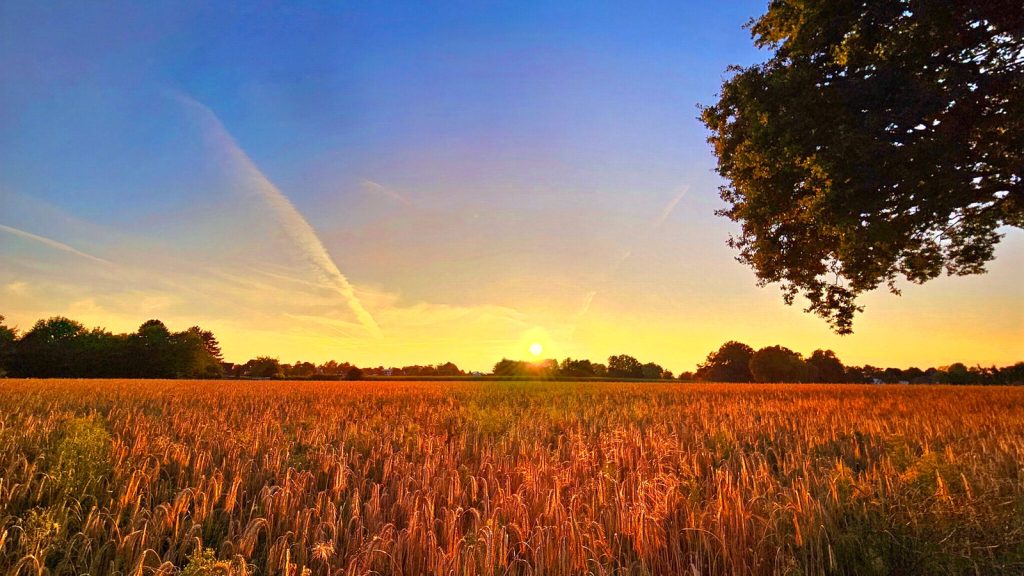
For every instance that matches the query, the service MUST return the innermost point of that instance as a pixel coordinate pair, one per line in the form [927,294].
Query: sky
[411,183]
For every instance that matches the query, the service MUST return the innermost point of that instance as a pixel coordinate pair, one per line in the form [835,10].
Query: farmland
[160,477]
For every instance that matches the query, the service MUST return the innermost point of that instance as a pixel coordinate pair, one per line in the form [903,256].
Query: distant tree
[49,349]
[687,376]
[652,371]
[730,363]
[779,364]
[263,367]
[883,138]
[210,343]
[828,366]
[449,369]
[892,375]
[8,337]
[957,374]
[506,367]
[191,356]
[1012,374]
[600,370]
[152,351]
[301,370]
[354,374]
[576,368]
[624,366]
[913,375]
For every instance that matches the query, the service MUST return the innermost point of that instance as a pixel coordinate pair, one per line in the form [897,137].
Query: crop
[172,477]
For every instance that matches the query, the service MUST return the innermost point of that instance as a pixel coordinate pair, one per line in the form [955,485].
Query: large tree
[882,139]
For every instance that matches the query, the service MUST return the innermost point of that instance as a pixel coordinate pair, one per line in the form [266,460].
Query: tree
[506,367]
[828,366]
[354,374]
[449,369]
[210,343]
[624,366]
[48,350]
[152,351]
[730,363]
[263,367]
[652,371]
[576,368]
[957,374]
[779,364]
[883,138]
[8,336]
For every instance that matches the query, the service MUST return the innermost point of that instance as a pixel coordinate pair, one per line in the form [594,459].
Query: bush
[83,457]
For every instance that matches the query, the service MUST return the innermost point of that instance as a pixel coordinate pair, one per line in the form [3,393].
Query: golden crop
[160,477]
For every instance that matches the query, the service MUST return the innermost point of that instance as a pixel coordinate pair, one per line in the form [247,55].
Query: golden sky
[392,187]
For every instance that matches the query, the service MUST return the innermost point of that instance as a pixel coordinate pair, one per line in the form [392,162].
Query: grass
[152,477]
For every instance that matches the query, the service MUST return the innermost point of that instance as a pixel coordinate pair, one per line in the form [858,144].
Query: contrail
[291,220]
[381,190]
[54,244]
[588,298]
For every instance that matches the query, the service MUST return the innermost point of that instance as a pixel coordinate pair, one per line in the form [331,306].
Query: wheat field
[169,477]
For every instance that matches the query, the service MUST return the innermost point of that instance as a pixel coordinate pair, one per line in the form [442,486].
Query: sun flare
[536,348]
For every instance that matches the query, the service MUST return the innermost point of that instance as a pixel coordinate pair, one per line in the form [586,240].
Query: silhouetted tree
[354,374]
[263,367]
[883,138]
[8,336]
[957,374]
[779,364]
[652,371]
[624,366]
[576,368]
[152,351]
[48,350]
[449,369]
[1012,374]
[828,366]
[506,367]
[687,376]
[730,363]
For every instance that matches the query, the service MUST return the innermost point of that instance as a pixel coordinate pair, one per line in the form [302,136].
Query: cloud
[376,189]
[588,298]
[53,244]
[294,225]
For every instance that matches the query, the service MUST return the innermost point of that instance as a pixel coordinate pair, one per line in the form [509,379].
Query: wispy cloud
[53,244]
[649,229]
[380,190]
[292,222]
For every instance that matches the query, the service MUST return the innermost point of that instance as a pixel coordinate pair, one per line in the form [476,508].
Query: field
[165,477]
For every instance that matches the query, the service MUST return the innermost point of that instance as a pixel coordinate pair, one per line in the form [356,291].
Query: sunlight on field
[508,478]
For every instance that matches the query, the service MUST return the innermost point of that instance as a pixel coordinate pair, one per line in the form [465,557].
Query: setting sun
[536,348]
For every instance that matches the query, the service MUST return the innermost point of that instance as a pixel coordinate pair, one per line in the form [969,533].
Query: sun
[536,348]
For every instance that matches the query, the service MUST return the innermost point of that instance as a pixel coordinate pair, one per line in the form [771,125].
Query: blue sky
[482,175]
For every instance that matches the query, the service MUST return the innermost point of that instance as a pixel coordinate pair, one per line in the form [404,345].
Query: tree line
[737,362]
[62,348]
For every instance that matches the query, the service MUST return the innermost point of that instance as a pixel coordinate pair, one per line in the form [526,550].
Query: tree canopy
[780,364]
[730,363]
[882,139]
